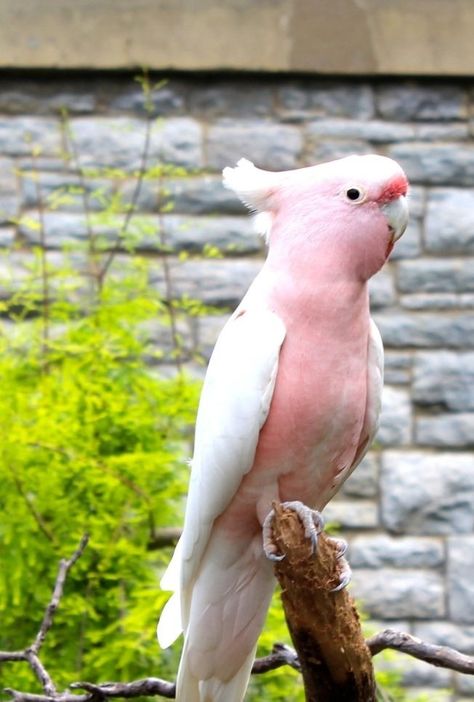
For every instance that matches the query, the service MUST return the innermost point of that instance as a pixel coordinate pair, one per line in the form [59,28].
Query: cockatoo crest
[254,187]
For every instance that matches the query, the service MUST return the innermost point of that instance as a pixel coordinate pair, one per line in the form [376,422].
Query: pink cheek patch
[395,188]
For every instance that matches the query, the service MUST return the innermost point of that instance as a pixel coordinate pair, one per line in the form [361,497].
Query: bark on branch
[324,625]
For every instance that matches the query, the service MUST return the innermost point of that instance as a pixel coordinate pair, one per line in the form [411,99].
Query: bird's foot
[313,524]
[311,519]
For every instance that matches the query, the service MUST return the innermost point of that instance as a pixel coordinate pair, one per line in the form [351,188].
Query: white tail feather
[170,622]
[191,689]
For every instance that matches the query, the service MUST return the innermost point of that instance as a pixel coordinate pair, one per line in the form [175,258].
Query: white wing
[234,405]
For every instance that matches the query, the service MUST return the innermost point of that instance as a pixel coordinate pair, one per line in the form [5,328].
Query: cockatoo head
[353,209]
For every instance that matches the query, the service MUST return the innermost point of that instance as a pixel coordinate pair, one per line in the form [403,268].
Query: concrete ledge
[371,37]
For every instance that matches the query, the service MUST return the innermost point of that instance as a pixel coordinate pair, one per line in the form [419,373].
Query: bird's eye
[354,194]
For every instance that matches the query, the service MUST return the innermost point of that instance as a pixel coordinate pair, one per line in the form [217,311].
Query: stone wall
[408,511]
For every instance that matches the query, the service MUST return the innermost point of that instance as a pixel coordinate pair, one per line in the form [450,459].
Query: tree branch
[440,656]
[64,568]
[30,654]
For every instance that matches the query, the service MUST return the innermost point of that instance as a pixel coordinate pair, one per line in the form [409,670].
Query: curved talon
[344,577]
[341,546]
[269,547]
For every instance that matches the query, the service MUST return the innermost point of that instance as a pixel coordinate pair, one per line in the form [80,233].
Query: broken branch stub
[324,626]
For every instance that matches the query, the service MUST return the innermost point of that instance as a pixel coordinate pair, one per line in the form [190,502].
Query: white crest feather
[252,185]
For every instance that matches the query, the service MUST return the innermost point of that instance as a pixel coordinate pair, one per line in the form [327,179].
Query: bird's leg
[313,524]
[311,519]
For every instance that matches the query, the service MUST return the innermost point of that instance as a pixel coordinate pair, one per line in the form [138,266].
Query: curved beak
[396,212]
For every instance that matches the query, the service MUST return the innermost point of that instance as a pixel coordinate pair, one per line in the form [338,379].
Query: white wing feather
[234,405]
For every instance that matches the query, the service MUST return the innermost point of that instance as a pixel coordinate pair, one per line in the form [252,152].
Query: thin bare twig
[31,653]
[64,568]
[440,656]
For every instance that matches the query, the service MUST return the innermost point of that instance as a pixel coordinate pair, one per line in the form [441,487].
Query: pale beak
[396,212]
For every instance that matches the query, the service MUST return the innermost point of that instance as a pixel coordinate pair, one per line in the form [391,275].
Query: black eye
[353,194]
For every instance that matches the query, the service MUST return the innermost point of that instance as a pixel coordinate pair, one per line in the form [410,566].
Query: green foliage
[93,439]
[93,442]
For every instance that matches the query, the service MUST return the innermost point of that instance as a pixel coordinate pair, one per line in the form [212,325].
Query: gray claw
[344,576]
[341,546]
[269,548]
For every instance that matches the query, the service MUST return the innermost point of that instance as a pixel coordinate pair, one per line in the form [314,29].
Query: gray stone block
[461,579]
[446,430]
[352,514]
[9,207]
[466,301]
[381,551]
[268,145]
[395,594]
[431,301]
[375,131]
[170,99]
[231,235]
[42,163]
[446,634]
[453,275]
[178,141]
[409,246]
[216,282]
[444,378]
[396,418]
[320,151]
[414,101]
[20,135]
[382,289]
[108,142]
[117,142]
[47,97]
[436,164]
[297,101]
[398,365]
[189,195]
[450,222]
[427,493]
[363,482]
[8,177]
[64,191]
[229,98]
[425,330]
[451,131]
[417,201]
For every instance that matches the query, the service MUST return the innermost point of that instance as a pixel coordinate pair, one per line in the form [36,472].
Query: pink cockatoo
[289,405]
